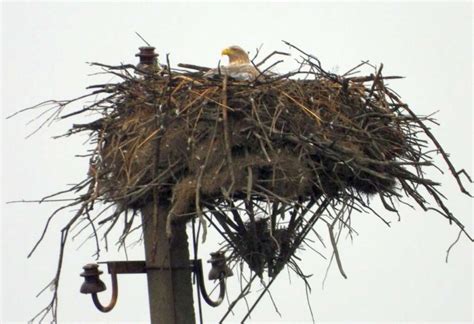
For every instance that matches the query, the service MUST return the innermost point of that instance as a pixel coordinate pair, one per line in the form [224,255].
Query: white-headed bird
[239,68]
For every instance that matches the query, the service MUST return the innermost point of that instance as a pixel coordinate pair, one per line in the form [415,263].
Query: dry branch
[253,159]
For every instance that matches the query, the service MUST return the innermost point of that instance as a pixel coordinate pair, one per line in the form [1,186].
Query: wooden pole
[170,292]
[168,268]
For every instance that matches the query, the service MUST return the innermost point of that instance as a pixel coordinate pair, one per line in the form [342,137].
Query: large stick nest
[209,147]
[296,139]
[254,158]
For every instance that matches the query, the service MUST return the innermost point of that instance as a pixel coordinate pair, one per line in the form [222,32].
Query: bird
[239,67]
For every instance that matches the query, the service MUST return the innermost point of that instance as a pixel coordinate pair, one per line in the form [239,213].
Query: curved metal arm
[113,300]
[202,287]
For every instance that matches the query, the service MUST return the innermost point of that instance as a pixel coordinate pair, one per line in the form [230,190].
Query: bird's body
[239,68]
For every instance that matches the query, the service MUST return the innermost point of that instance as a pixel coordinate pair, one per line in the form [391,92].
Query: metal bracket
[93,285]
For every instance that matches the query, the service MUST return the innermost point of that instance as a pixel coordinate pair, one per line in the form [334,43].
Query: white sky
[395,274]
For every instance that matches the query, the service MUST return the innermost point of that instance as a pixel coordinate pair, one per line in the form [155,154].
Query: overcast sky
[394,274]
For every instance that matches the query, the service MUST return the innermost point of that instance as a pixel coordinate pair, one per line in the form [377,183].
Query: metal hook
[93,285]
[202,287]
[113,299]
[219,271]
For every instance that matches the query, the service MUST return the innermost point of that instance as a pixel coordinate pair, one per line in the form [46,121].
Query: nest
[297,139]
[262,161]
[222,149]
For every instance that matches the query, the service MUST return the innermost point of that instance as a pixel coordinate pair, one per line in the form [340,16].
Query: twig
[194,67]
[140,36]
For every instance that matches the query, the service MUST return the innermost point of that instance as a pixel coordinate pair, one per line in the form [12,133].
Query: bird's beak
[226,51]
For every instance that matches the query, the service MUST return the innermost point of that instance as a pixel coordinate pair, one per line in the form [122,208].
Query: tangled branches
[260,161]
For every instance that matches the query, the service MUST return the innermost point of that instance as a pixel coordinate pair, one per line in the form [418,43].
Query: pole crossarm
[93,285]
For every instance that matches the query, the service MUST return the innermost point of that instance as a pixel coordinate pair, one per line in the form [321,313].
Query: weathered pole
[170,291]
[168,269]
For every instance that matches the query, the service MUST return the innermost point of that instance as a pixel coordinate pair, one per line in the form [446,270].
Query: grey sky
[395,274]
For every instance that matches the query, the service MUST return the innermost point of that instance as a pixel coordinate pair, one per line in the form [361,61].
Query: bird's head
[236,55]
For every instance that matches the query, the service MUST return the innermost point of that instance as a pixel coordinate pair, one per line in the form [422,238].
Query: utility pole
[167,264]
[168,269]
[167,261]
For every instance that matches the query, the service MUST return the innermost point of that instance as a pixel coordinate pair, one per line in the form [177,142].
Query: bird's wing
[242,72]
[222,70]
[245,72]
